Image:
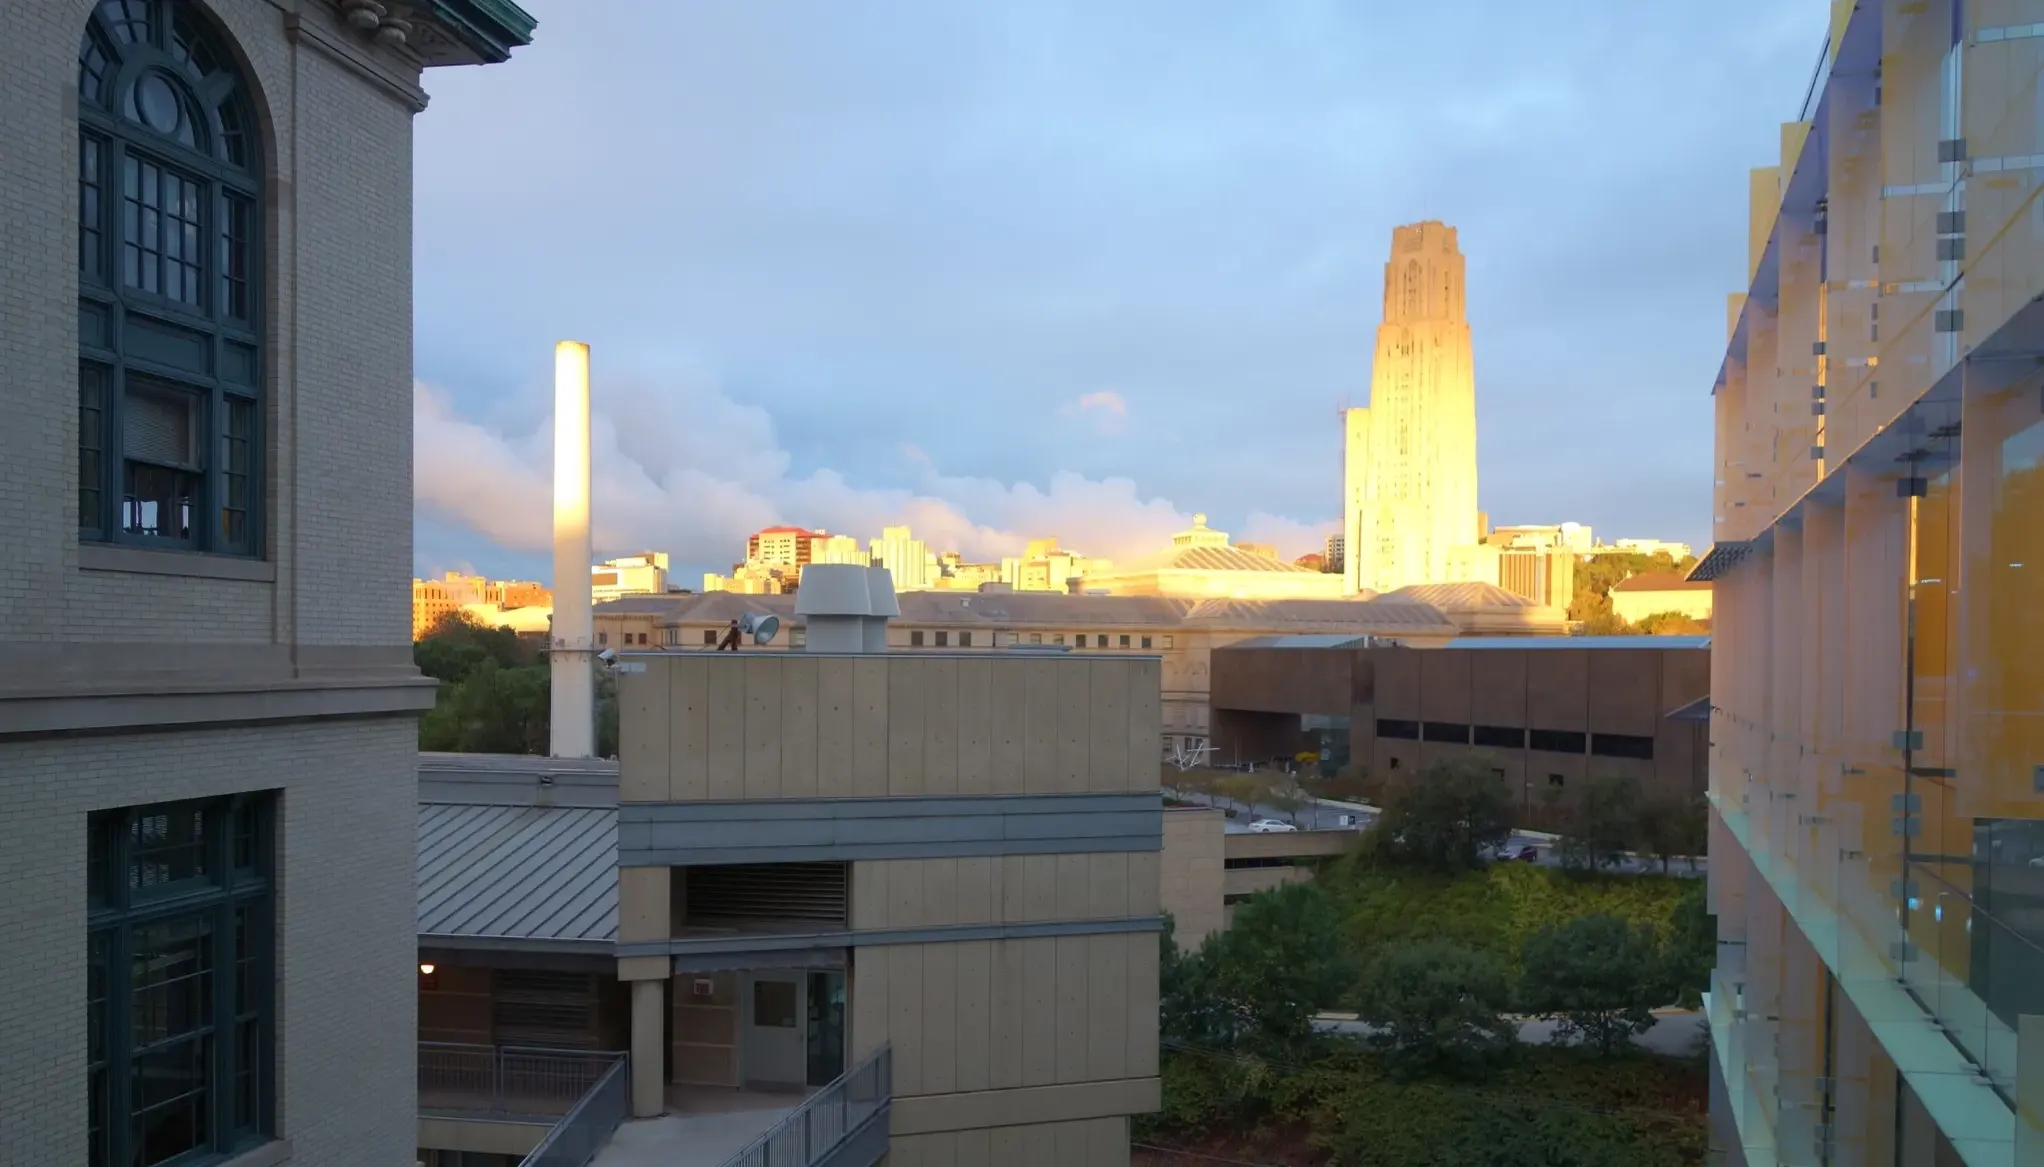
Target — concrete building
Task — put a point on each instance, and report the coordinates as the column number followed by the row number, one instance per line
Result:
column 910, row 559
column 1207, row 871
column 1544, row 576
column 208, row 709
column 1202, row 563
column 1675, row 551
column 1545, row 712
column 1573, row 537
column 1043, row 566
column 1656, row 593
column 644, row 574
column 1182, row 632
column 1877, row 856
column 946, row 860
column 1409, row 490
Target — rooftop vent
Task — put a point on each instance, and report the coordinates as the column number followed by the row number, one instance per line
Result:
column 846, row 607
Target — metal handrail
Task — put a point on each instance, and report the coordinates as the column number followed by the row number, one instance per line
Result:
column 1816, row 89
column 508, row 1081
column 826, row 1119
column 577, row 1138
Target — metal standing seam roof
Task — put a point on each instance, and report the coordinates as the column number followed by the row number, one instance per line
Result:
column 524, row 873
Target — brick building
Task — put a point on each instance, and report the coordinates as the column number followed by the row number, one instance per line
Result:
column 207, row 700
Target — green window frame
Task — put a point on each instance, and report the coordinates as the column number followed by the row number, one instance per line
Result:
column 181, row 981
column 171, row 432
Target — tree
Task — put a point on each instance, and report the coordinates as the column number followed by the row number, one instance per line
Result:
column 1673, row 624
column 1603, row 825
column 1259, row 983
column 1436, row 1007
column 1597, row 975
column 1671, row 828
column 1447, row 817
column 494, row 710
column 1692, row 950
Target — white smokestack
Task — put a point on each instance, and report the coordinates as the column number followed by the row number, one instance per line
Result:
column 572, row 655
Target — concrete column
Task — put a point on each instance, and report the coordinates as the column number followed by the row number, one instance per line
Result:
column 649, row 1053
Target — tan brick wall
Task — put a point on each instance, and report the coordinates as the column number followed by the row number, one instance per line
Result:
column 337, row 281
column 338, row 462
column 347, row 950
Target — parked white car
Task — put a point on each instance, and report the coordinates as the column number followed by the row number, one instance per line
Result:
column 1270, row 826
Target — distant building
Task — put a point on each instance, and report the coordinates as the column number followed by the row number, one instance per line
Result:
column 1201, row 562
column 1573, row 537
column 1541, row 574
column 906, row 557
column 1332, row 557
column 1654, row 593
column 435, row 599
column 1545, row 712
column 1045, row 567
column 644, row 574
column 1181, row 630
column 1675, row 551
column 1409, row 461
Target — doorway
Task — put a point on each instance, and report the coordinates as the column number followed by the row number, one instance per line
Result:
column 794, row 1028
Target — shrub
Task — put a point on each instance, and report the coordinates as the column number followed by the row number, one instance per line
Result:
column 1597, row 975
column 1436, row 1007
column 1259, row 983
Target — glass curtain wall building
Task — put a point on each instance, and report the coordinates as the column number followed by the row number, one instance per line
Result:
column 1877, row 736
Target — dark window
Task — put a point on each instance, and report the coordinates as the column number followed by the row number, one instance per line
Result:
column 1242, row 864
column 915, row 638
column 1402, row 730
column 1036, row 638
column 1122, row 642
column 1554, row 779
column 1146, row 642
column 965, row 640
column 179, row 981
column 1446, row 731
column 1557, row 741
column 943, row 640
column 642, row 638
column 169, row 255
column 1500, row 737
column 1057, row 638
column 710, row 636
column 1394, row 763
column 603, row 638
column 1622, row 745
column 1100, row 641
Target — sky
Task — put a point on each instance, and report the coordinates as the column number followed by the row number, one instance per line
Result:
column 1072, row 268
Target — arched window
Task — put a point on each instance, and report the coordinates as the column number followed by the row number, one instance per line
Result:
column 170, row 309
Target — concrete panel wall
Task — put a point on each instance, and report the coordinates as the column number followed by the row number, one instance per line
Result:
column 1283, row 680
column 1008, row 889
column 1099, row 1142
column 700, row 726
column 1005, row 1015
column 1191, row 876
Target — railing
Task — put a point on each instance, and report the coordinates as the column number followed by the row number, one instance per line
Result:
column 828, row 1119
column 509, row 1082
column 576, row 1139
column 1815, row 92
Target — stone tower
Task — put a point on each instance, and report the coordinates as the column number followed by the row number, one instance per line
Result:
column 1409, row 489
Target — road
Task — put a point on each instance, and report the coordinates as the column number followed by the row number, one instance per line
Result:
column 1316, row 814
column 1674, row 1033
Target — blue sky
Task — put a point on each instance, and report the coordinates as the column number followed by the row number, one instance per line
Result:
column 1071, row 267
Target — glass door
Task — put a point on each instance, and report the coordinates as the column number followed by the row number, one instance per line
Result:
column 826, row 1026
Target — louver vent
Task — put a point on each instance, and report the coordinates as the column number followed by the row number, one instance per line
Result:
column 761, row 892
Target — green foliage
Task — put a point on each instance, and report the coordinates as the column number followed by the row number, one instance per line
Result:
column 1549, row 1107
column 1595, row 577
column 1444, row 818
column 496, row 692
column 1437, row 1008
column 1603, row 825
column 1673, row 828
column 1493, row 910
column 1692, row 949
column 1597, row 975
column 1258, row 984
column 1672, row 624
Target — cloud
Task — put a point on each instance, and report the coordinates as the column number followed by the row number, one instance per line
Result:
column 692, row 472
column 1105, row 410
